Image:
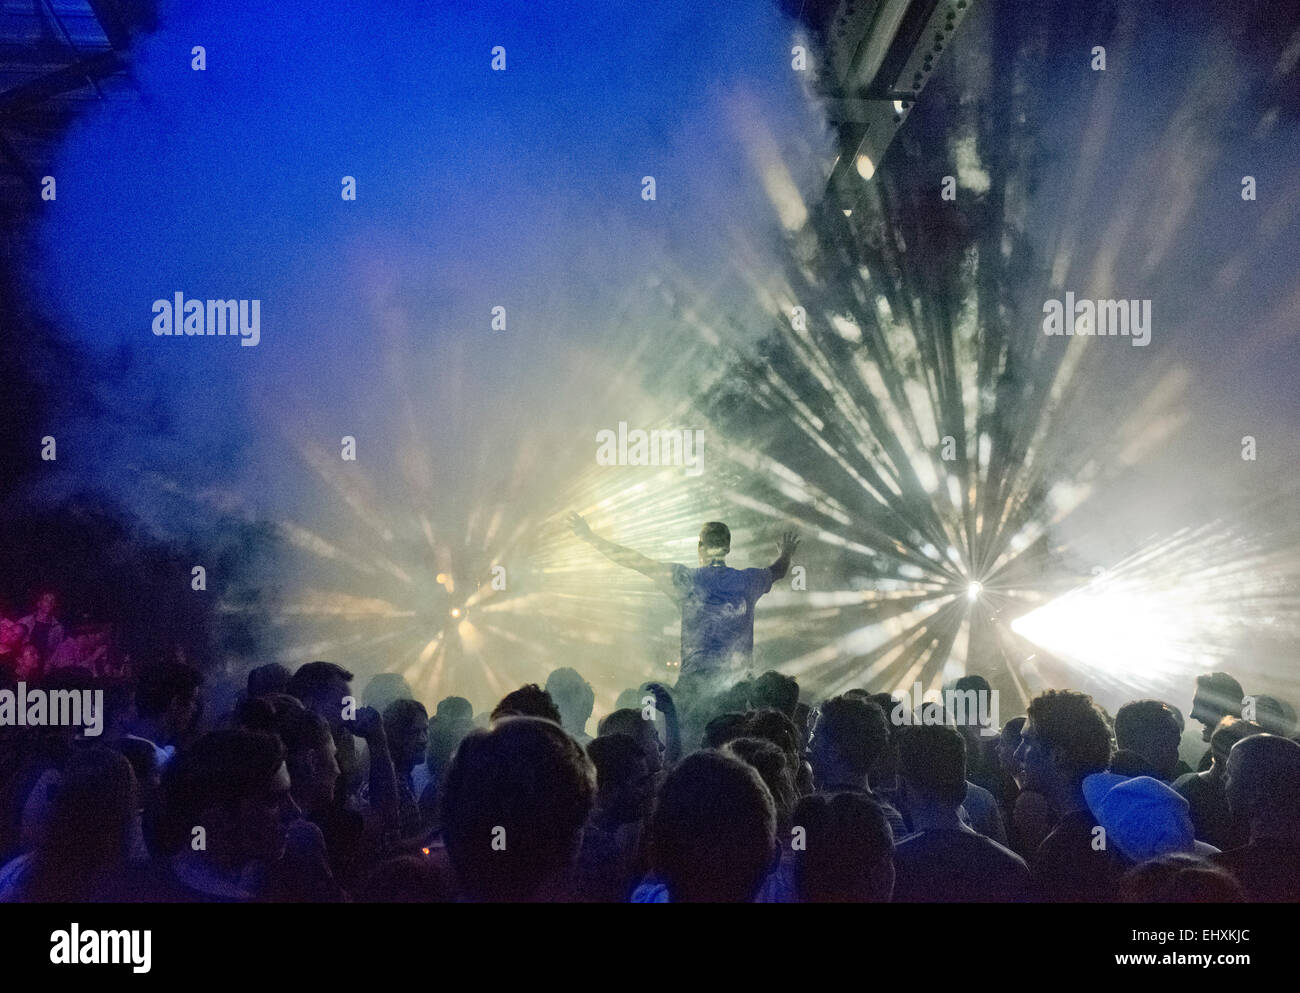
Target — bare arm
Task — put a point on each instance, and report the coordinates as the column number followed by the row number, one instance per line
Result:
column 665, row 705
column 660, row 572
column 785, row 547
column 383, row 779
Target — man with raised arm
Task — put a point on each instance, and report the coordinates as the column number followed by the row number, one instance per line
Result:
column 717, row 602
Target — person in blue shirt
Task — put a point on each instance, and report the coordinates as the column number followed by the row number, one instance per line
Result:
column 716, row 601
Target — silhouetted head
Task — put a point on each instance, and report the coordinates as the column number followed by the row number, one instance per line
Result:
column 722, row 728
column 965, row 699
column 573, row 697
column 1218, row 695
column 886, row 766
column 235, row 785
column 1179, row 878
column 384, row 688
column 849, row 737
column 715, row 542
column 775, row 691
column 1263, row 784
column 932, row 763
column 445, row 734
column 87, row 829
column 629, row 699
column 848, row 850
column 1275, row 716
column 633, row 723
column 1065, row 738
column 321, row 686
column 1008, row 742
column 734, row 697
column 513, row 806
column 1150, row 728
column 455, row 708
column 972, row 682
column 1230, row 731
column 406, row 726
column 714, row 830
column 774, row 768
column 774, row 726
column 310, row 753
column 269, row 678
column 624, row 782
column 528, row 701
column 167, row 695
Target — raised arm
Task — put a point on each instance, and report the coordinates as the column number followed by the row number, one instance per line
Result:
column 672, row 727
column 383, row 779
column 660, row 572
column 785, row 547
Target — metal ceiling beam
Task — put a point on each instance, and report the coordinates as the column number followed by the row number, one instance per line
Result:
column 869, row 109
column 111, row 21
column 70, row 77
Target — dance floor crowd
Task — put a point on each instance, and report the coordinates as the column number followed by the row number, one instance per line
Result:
column 740, row 789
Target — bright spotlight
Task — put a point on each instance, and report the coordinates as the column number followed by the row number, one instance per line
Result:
column 973, row 591
column 1104, row 629
column 456, row 612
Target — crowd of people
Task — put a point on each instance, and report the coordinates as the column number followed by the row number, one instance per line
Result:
column 738, row 790
column 37, row 643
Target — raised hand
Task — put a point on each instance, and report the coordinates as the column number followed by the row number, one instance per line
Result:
column 369, row 724
column 788, row 543
column 663, row 699
column 579, row 525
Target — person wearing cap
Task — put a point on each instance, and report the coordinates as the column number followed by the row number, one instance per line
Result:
column 1143, row 818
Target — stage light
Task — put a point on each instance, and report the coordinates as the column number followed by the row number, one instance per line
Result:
column 1118, row 628
column 456, row 612
column 440, row 579
column 973, row 591
column 1146, row 626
